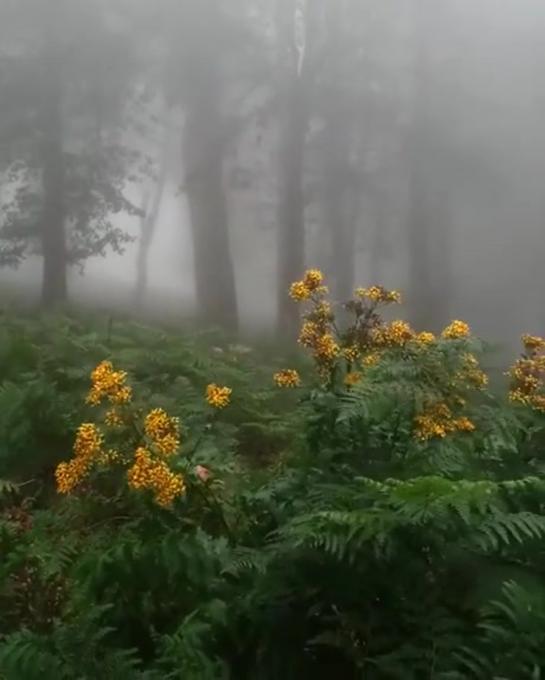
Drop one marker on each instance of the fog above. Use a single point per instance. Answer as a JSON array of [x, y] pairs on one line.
[[177, 159]]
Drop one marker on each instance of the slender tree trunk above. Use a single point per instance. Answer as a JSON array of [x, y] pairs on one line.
[[203, 152], [340, 188], [291, 232], [53, 236], [148, 224], [342, 216], [422, 296], [293, 129]]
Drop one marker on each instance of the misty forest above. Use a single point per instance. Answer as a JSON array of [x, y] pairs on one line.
[[272, 373]]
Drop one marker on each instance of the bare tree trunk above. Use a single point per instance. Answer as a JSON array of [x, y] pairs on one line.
[[293, 129], [341, 210], [53, 235], [151, 207], [291, 232], [203, 152], [422, 296]]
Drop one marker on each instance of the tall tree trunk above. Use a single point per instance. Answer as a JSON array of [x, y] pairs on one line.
[[293, 129], [151, 206], [426, 209], [340, 194], [341, 215], [53, 235], [203, 151]]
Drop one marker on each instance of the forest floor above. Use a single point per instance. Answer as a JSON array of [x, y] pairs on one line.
[[174, 504]]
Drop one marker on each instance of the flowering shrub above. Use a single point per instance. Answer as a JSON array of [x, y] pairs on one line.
[[392, 530], [367, 340], [146, 449]]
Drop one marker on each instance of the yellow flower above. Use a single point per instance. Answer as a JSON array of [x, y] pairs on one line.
[[463, 424], [456, 330], [437, 421], [287, 378], [533, 343], [87, 450], [107, 383], [425, 338], [109, 457], [88, 441], [299, 291], [352, 378], [538, 402], [326, 348], [313, 279], [309, 334], [378, 294], [154, 475], [351, 353], [396, 334], [371, 359], [471, 372], [113, 418], [218, 397], [163, 430], [69, 475], [322, 311]]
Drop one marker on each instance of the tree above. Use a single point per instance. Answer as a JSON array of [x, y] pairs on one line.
[[53, 235], [426, 199], [293, 68], [152, 199], [341, 111], [67, 161], [202, 41]]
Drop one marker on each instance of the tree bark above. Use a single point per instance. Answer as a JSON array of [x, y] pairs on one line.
[[53, 237], [203, 151], [422, 296], [341, 187], [341, 215], [151, 207], [293, 129]]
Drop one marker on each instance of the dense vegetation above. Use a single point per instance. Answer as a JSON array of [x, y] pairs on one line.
[[376, 512]]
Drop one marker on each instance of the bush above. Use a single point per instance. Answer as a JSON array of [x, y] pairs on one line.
[[223, 516]]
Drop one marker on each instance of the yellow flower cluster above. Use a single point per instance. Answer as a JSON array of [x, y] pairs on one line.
[[533, 344], [109, 457], [351, 353], [310, 331], [352, 378], [325, 348], [396, 334], [311, 283], [425, 338], [287, 378], [527, 382], [163, 430], [371, 359], [113, 418], [438, 421], [218, 397], [323, 312], [87, 449], [471, 373], [456, 331], [110, 384], [378, 294], [154, 475], [313, 279], [528, 374], [316, 331], [299, 292]]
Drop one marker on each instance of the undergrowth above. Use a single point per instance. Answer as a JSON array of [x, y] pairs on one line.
[[179, 506]]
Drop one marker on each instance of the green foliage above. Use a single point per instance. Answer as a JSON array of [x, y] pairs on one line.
[[328, 541]]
